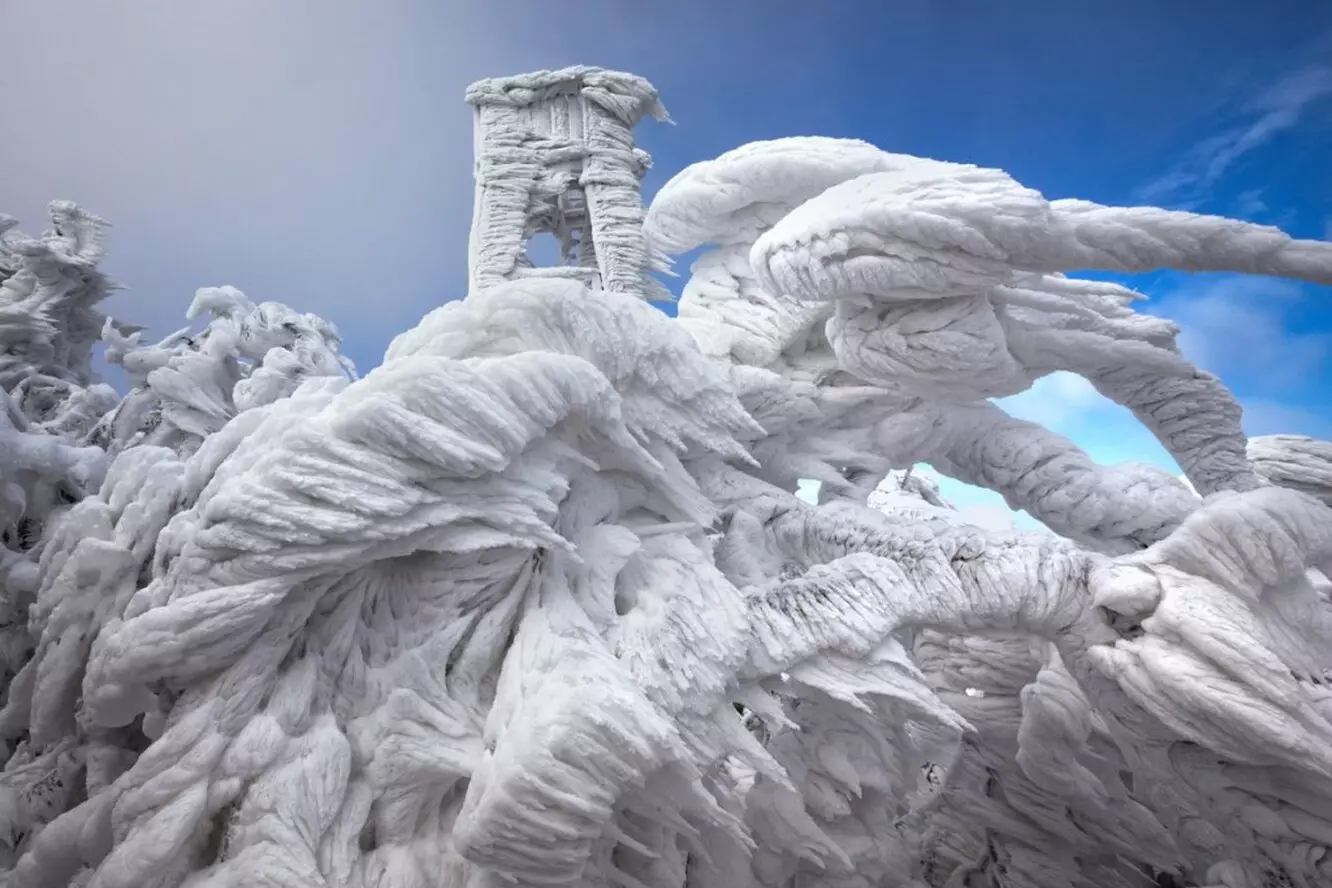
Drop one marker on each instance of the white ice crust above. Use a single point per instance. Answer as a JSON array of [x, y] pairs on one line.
[[534, 603]]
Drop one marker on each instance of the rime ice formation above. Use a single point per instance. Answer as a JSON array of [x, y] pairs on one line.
[[1296, 461], [533, 603], [556, 155]]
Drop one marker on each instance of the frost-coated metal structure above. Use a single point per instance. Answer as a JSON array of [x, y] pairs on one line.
[[555, 155], [534, 602]]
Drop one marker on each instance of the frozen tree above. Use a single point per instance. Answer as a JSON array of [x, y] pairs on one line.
[[91, 480], [534, 601]]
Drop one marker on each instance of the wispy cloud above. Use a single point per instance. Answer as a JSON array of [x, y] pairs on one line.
[[1277, 109], [1250, 204], [1254, 123], [1247, 331]]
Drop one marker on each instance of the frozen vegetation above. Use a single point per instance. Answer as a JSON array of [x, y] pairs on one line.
[[534, 602]]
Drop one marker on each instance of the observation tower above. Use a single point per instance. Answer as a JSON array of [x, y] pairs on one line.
[[555, 154]]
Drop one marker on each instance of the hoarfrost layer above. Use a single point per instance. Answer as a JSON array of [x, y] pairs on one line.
[[534, 602]]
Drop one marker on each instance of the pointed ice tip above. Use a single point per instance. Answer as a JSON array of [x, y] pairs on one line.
[[660, 114]]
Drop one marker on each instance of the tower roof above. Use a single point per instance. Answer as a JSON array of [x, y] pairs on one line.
[[627, 97]]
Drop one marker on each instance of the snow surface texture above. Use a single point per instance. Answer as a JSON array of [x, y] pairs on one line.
[[533, 602]]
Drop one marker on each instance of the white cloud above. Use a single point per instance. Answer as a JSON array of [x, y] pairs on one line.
[[1275, 110], [1068, 405], [1167, 184], [1058, 401], [1240, 328], [1250, 204], [1257, 121], [1187, 175]]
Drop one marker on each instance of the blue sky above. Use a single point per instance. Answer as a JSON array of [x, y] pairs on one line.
[[318, 152]]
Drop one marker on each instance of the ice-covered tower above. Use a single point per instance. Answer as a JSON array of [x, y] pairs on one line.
[[555, 154]]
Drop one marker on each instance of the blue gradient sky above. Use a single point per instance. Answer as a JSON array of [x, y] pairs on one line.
[[318, 152]]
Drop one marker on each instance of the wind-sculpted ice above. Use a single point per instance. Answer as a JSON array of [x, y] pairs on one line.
[[49, 290], [534, 602], [189, 385], [1296, 461], [71, 560]]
